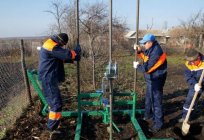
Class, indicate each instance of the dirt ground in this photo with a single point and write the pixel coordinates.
(32, 126)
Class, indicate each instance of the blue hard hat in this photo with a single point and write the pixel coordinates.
(146, 38)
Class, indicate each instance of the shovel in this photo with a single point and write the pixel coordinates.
(185, 125)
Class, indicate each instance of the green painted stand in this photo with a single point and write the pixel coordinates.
(84, 100)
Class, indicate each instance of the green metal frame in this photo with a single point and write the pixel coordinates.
(104, 112)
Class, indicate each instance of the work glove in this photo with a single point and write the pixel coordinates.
(138, 48)
(135, 64)
(38, 48)
(77, 50)
(197, 87)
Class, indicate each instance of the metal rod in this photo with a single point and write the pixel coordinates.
(110, 61)
(136, 41)
(111, 109)
(78, 65)
(77, 20)
(110, 31)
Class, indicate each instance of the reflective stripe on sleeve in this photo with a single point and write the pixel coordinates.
(73, 54)
(161, 60)
(143, 57)
(54, 115)
(187, 108)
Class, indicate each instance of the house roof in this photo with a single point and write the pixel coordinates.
(130, 34)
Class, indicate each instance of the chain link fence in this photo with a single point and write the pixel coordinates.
(13, 93)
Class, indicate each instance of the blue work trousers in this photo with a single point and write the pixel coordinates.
(53, 97)
(153, 100)
(189, 98)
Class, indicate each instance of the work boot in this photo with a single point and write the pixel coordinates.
(147, 119)
(181, 120)
(56, 135)
(154, 129)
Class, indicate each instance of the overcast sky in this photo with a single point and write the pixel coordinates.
(27, 17)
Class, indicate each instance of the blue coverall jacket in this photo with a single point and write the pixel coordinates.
(192, 74)
(155, 79)
(51, 72)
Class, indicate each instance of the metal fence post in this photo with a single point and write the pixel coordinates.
(25, 72)
(136, 41)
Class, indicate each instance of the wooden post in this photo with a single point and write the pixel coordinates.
(27, 85)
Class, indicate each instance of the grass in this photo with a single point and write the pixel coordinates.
(2, 133)
(175, 60)
(11, 112)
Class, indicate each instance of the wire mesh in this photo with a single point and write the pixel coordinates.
(13, 96)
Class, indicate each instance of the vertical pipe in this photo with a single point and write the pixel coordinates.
(110, 31)
(136, 41)
(77, 20)
(78, 65)
(25, 73)
(110, 62)
(111, 108)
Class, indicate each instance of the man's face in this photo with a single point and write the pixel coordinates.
(189, 45)
(197, 61)
(148, 45)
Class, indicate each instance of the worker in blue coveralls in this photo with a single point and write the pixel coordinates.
(154, 67)
(51, 73)
(194, 66)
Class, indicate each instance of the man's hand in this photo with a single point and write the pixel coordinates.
(197, 87)
(137, 47)
(77, 50)
(135, 64)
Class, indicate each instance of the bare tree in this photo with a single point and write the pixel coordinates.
(165, 25)
(93, 36)
(58, 11)
(69, 23)
(149, 27)
(94, 22)
(193, 27)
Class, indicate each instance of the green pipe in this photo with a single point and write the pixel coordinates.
(78, 127)
(114, 125)
(134, 105)
(138, 129)
(90, 103)
(45, 110)
(95, 112)
(90, 95)
(162, 139)
(69, 113)
(125, 102)
(36, 87)
(123, 94)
